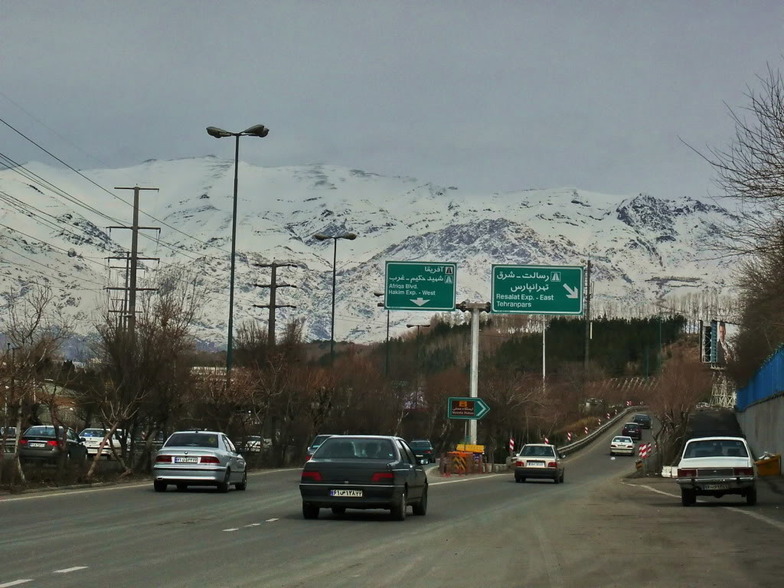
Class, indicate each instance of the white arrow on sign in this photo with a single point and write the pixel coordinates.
(572, 292)
(420, 301)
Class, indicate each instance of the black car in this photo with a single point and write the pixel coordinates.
(633, 430)
(47, 442)
(423, 450)
(643, 420)
(363, 472)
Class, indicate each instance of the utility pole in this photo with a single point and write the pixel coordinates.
(273, 286)
(123, 323)
(475, 308)
(135, 228)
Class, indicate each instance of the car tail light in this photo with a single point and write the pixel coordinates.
(51, 443)
(687, 473)
(208, 459)
(163, 459)
(307, 457)
(22, 441)
(311, 476)
(552, 464)
(382, 477)
(743, 471)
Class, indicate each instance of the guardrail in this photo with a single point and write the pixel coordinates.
(572, 447)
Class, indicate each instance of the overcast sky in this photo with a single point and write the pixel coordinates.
(486, 95)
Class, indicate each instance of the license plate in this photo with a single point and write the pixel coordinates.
(715, 487)
(344, 492)
(186, 460)
(535, 464)
(37, 444)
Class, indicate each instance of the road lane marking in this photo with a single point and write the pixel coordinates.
(231, 530)
(69, 570)
(743, 511)
(16, 583)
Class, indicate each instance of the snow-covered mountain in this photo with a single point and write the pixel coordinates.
(60, 228)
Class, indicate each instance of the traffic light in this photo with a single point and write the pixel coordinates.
(707, 343)
(714, 348)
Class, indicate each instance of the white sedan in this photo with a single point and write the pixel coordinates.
(622, 445)
(93, 438)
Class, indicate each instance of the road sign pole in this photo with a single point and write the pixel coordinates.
(472, 426)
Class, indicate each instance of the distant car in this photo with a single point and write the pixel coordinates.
(633, 430)
(315, 444)
(254, 444)
(423, 450)
(93, 438)
(363, 472)
(622, 445)
(539, 460)
(643, 420)
(715, 466)
(199, 458)
(42, 443)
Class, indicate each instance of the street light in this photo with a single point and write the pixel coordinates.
(254, 131)
(323, 237)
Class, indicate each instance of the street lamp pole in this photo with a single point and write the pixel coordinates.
(254, 131)
(386, 346)
(324, 237)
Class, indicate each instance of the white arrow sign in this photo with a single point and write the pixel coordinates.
(572, 292)
(420, 301)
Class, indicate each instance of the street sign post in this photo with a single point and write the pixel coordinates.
(537, 289)
(466, 408)
(420, 285)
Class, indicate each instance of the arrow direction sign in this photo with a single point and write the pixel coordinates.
(420, 285)
(537, 289)
(466, 408)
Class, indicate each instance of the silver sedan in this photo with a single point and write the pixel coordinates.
(199, 458)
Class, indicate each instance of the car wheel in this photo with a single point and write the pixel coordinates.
(310, 511)
(562, 477)
(751, 497)
(612, 453)
(398, 510)
(557, 478)
(244, 484)
(519, 479)
(688, 497)
(224, 486)
(182, 487)
(420, 508)
(159, 486)
(338, 510)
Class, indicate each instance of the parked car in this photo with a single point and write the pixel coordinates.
(315, 444)
(363, 472)
(254, 444)
(93, 438)
(643, 420)
(622, 445)
(423, 450)
(199, 458)
(539, 460)
(42, 443)
(633, 430)
(715, 466)
(9, 434)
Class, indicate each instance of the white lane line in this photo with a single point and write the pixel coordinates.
(271, 520)
(16, 583)
(231, 530)
(253, 525)
(748, 513)
(69, 570)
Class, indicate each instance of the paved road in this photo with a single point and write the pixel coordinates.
(600, 528)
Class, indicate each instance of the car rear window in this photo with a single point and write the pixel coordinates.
(192, 440)
(357, 448)
(717, 448)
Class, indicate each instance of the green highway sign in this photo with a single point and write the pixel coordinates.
(420, 285)
(537, 289)
(466, 408)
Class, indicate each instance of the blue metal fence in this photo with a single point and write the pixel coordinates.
(767, 382)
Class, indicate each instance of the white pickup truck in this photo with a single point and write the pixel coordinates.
(715, 466)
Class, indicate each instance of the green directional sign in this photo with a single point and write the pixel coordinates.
(420, 285)
(466, 408)
(537, 289)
